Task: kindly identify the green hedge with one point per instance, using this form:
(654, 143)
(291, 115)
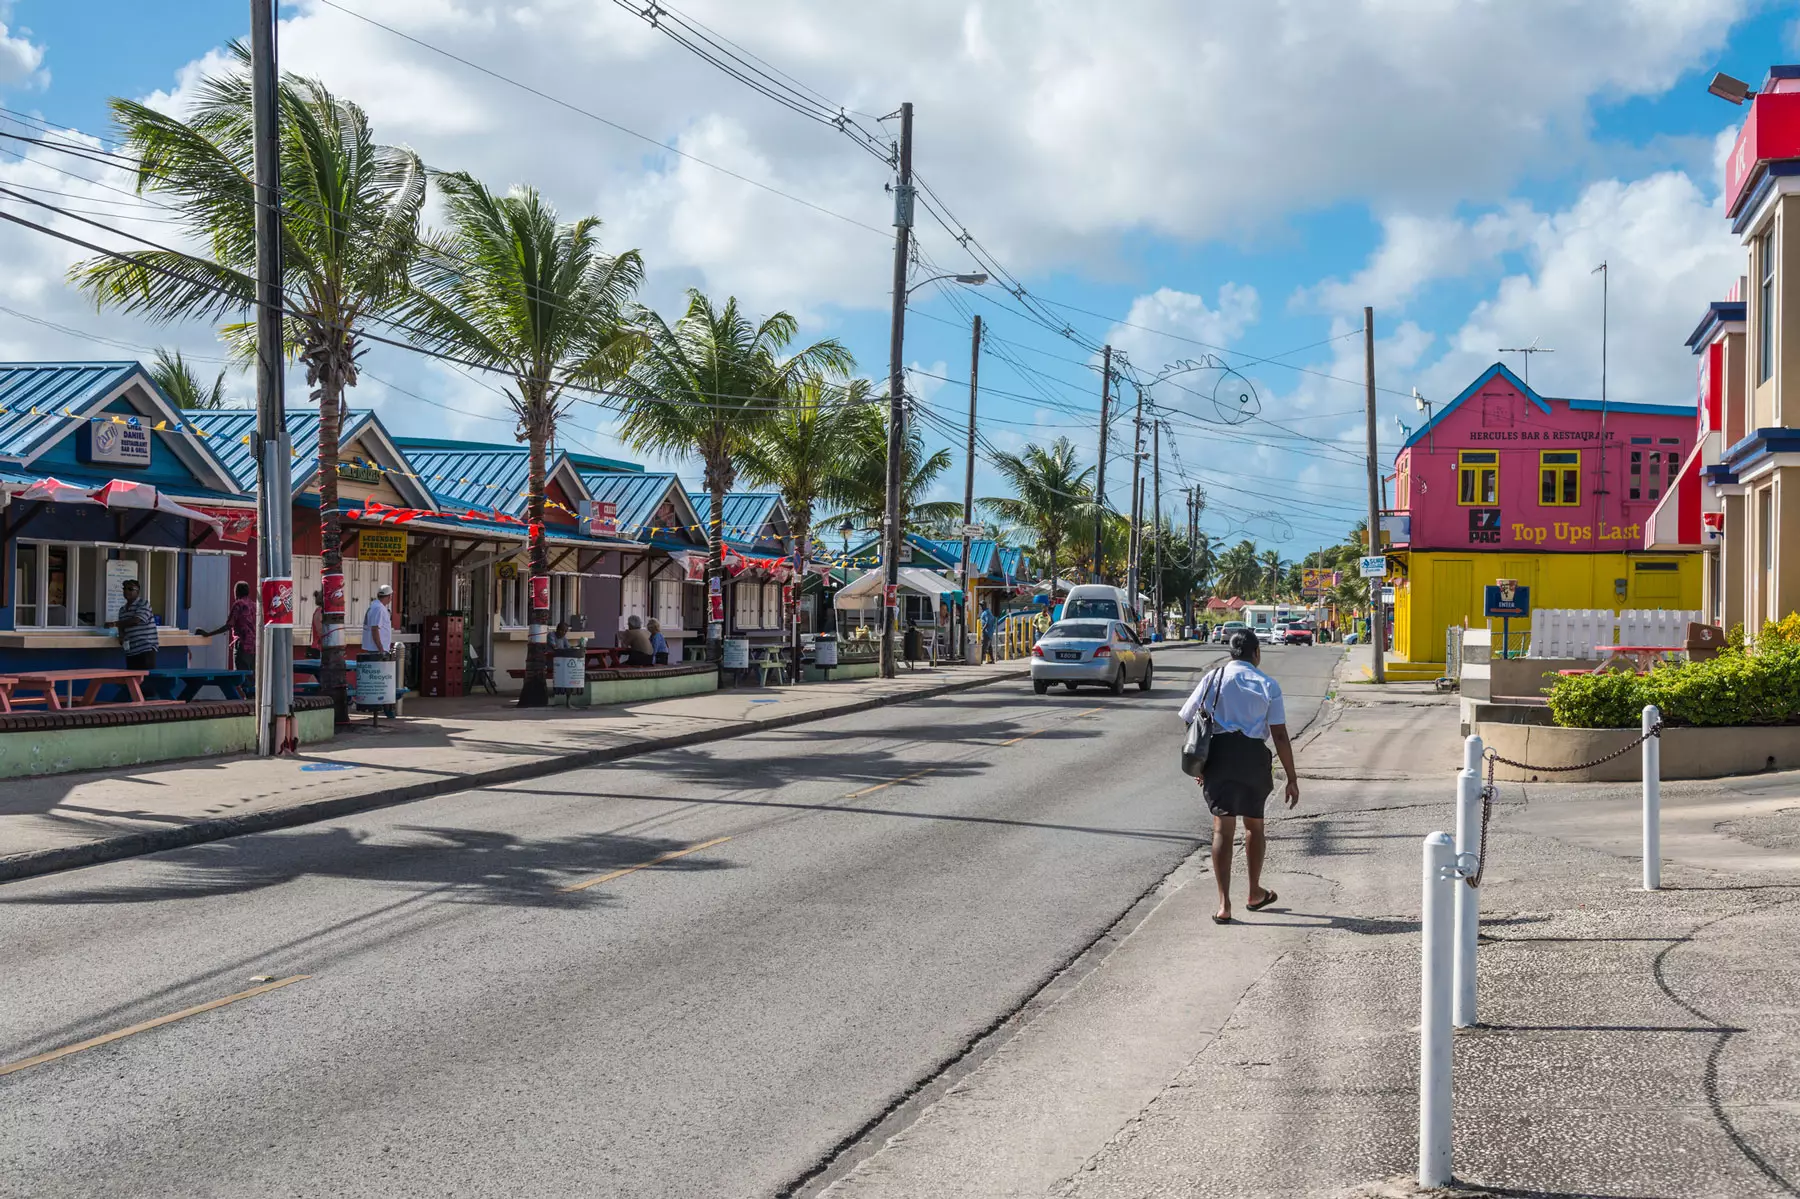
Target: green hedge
(1733, 688)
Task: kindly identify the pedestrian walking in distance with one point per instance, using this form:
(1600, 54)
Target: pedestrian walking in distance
(1246, 709)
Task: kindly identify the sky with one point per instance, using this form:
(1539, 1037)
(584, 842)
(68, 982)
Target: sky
(1201, 185)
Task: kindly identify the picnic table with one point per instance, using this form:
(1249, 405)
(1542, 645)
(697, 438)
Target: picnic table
(47, 681)
(7, 682)
(604, 657)
(185, 684)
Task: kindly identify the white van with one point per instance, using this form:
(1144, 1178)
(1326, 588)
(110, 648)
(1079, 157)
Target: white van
(1099, 601)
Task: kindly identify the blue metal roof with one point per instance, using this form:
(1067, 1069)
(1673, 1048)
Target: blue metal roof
(229, 435)
(585, 462)
(49, 388)
(745, 514)
(637, 498)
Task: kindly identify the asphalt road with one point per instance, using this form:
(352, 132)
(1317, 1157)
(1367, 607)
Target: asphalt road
(779, 937)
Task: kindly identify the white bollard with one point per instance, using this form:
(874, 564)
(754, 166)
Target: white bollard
(1652, 801)
(1468, 899)
(1440, 876)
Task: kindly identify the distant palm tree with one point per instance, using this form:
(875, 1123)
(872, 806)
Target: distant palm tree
(709, 385)
(863, 496)
(513, 288)
(1238, 571)
(176, 377)
(1051, 495)
(349, 229)
(1274, 572)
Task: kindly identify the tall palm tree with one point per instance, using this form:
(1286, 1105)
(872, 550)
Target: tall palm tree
(1051, 494)
(709, 384)
(176, 376)
(350, 223)
(862, 493)
(802, 453)
(1238, 570)
(1274, 573)
(512, 287)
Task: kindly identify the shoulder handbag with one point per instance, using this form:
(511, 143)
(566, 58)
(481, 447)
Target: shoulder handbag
(1198, 745)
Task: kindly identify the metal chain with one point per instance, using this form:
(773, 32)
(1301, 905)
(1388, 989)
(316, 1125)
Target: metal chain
(1489, 791)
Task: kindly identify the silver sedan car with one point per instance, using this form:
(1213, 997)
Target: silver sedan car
(1098, 653)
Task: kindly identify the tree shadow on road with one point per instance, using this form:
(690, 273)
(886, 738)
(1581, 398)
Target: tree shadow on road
(458, 865)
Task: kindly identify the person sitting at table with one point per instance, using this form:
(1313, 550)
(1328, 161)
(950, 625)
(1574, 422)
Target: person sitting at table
(240, 622)
(559, 639)
(136, 624)
(659, 646)
(637, 643)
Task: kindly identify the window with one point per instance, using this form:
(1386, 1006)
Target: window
(1765, 309)
(1656, 473)
(1559, 478)
(1478, 477)
(565, 599)
(1637, 475)
(1657, 580)
(509, 602)
(64, 586)
(668, 596)
(634, 597)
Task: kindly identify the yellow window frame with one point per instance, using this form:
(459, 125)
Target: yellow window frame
(1478, 478)
(1559, 478)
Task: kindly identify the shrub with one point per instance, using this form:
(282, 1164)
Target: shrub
(1733, 688)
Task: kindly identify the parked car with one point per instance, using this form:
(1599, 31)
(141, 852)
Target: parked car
(1223, 633)
(1098, 653)
(1296, 632)
(1265, 634)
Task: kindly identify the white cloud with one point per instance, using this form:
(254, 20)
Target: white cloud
(21, 59)
(1416, 250)
(1187, 315)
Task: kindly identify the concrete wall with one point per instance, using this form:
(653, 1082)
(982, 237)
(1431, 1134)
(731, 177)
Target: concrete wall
(1529, 676)
(1701, 753)
(630, 690)
(28, 752)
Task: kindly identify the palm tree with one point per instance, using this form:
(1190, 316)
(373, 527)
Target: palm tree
(1238, 570)
(1274, 571)
(862, 493)
(1050, 496)
(176, 377)
(513, 288)
(709, 384)
(802, 452)
(350, 222)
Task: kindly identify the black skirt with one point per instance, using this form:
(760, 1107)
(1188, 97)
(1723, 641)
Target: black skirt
(1240, 775)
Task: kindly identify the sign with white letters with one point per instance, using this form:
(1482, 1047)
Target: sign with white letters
(1374, 566)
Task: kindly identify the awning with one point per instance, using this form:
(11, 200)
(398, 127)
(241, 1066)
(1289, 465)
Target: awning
(1679, 523)
(911, 579)
(119, 493)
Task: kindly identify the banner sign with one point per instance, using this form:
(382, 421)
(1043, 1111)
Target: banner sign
(1373, 566)
(597, 518)
(331, 594)
(235, 524)
(540, 592)
(695, 566)
(278, 602)
(381, 545)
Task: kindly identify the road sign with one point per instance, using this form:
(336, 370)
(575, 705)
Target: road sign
(1374, 566)
(1507, 599)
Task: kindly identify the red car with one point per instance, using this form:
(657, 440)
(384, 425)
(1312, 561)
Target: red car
(1297, 632)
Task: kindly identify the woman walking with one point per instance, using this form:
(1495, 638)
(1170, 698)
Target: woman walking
(1246, 707)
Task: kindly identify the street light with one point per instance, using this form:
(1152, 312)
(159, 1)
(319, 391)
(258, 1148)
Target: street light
(973, 280)
(1726, 88)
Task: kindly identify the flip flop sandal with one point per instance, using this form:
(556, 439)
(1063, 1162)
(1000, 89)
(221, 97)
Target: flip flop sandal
(1221, 919)
(1268, 898)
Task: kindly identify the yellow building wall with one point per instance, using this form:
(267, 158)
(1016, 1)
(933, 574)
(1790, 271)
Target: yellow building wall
(1441, 589)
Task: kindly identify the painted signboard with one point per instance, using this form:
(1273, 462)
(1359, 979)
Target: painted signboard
(120, 442)
(1373, 566)
(1771, 133)
(118, 571)
(1507, 599)
(381, 545)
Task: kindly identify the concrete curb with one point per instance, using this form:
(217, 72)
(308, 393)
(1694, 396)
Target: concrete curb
(131, 845)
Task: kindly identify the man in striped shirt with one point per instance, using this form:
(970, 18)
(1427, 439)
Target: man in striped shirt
(137, 628)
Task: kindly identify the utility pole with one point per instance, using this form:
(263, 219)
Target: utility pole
(969, 484)
(1156, 517)
(903, 217)
(274, 492)
(1096, 575)
(1193, 539)
(1377, 616)
(1137, 499)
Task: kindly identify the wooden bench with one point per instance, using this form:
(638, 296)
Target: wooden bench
(47, 681)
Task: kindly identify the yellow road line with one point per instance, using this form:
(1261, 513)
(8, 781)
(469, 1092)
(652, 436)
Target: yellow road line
(878, 786)
(1046, 728)
(658, 860)
(1021, 737)
(146, 1026)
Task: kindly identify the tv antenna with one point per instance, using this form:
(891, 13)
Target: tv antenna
(1528, 351)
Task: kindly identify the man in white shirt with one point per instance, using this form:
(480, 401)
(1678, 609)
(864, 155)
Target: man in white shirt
(378, 624)
(1246, 707)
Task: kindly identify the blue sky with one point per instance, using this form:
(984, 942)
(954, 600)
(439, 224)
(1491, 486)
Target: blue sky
(1457, 167)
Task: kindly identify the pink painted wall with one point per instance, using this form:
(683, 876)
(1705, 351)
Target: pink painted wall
(1498, 415)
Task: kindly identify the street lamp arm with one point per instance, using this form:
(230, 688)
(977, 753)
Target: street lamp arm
(974, 280)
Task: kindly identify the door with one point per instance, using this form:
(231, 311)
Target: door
(210, 603)
(1452, 600)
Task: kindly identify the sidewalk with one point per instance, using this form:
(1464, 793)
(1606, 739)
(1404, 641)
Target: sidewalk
(1634, 1044)
(59, 821)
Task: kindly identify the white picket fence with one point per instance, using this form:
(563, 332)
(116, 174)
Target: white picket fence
(1574, 632)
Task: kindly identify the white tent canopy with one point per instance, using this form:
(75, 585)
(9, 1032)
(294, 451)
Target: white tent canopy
(866, 591)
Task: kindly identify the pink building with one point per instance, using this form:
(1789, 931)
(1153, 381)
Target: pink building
(1554, 493)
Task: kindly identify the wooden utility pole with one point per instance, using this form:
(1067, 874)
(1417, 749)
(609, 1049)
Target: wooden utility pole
(891, 534)
(1377, 613)
(1137, 499)
(969, 485)
(1156, 517)
(1095, 574)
